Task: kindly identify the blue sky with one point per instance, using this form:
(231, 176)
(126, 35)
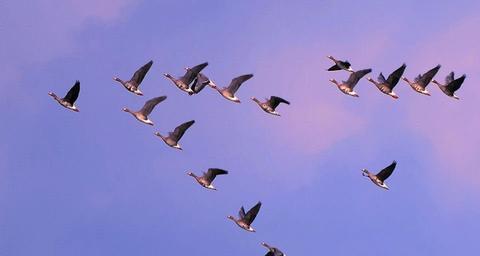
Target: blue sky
(100, 183)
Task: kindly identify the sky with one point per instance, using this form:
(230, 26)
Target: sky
(98, 182)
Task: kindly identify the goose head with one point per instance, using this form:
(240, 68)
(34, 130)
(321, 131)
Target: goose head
(255, 99)
(126, 110)
(333, 81)
(331, 57)
(435, 82)
(191, 174)
(365, 172)
(371, 80)
(212, 84)
(118, 80)
(168, 76)
(231, 217)
(406, 79)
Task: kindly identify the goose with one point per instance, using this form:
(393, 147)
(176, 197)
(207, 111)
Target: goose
(183, 82)
(200, 82)
(273, 251)
(137, 78)
(386, 85)
(229, 92)
(69, 100)
(245, 219)
(207, 178)
(142, 114)
(347, 86)
(379, 178)
(339, 65)
(173, 137)
(270, 104)
(421, 81)
(451, 84)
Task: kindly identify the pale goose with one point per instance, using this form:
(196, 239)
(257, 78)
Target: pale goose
(175, 136)
(69, 100)
(200, 82)
(386, 85)
(207, 178)
(142, 114)
(273, 251)
(347, 86)
(229, 92)
(451, 85)
(421, 81)
(245, 220)
(379, 178)
(339, 65)
(137, 78)
(183, 82)
(271, 104)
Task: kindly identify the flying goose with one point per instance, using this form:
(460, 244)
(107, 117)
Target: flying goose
(451, 85)
(273, 251)
(183, 82)
(229, 92)
(270, 104)
(347, 86)
(69, 100)
(245, 219)
(339, 65)
(137, 78)
(421, 81)
(173, 137)
(142, 114)
(200, 82)
(379, 178)
(386, 85)
(207, 178)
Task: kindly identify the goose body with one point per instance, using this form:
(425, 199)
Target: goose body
(348, 86)
(142, 114)
(183, 82)
(451, 85)
(207, 178)
(273, 251)
(245, 220)
(137, 78)
(269, 105)
(379, 178)
(229, 92)
(386, 85)
(421, 81)
(174, 137)
(68, 101)
(340, 65)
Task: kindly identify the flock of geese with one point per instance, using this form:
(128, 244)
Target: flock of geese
(193, 82)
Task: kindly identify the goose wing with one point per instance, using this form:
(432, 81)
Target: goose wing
(449, 78)
(180, 130)
(141, 72)
(192, 73)
(241, 213)
(252, 213)
(455, 84)
(356, 76)
(386, 172)
(213, 172)
(200, 82)
(237, 81)
(150, 105)
(274, 101)
(395, 76)
(72, 94)
(426, 78)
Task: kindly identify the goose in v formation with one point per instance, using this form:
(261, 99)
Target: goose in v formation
(183, 82)
(386, 85)
(174, 137)
(69, 100)
(137, 78)
(451, 85)
(379, 178)
(229, 92)
(245, 220)
(207, 178)
(273, 251)
(420, 82)
(142, 114)
(339, 65)
(200, 82)
(347, 86)
(269, 105)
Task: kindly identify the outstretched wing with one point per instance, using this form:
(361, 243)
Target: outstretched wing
(395, 76)
(150, 105)
(356, 76)
(381, 79)
(213, 172)
(180, 130)
(241, 213)
(72, 94)
(252, 213)
(426, 78)
(274, 101)
(386, 172)
(200, 82)
(192, 73)
(237, 81)
(141, 72)
(334, 68)
(449, 78)
(455, 84)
